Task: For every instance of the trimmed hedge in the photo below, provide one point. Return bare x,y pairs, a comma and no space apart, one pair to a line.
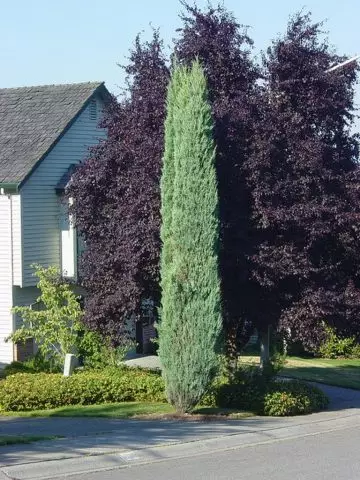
37,391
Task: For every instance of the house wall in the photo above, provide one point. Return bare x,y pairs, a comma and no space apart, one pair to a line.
16,239
40,206
24,297
6,279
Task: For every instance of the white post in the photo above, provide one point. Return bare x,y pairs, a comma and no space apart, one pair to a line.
69,364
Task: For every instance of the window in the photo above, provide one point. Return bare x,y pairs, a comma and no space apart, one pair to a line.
68,241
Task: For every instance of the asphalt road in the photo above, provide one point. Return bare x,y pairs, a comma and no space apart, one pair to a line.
329,455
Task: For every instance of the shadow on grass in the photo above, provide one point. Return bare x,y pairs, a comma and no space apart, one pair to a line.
346,376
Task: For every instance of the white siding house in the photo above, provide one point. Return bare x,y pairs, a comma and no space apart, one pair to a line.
44,132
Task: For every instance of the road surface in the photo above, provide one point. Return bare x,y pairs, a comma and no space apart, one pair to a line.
330,455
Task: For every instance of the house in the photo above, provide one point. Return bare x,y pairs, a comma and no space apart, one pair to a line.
44,132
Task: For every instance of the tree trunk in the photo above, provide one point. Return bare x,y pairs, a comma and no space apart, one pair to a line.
231,351
264,348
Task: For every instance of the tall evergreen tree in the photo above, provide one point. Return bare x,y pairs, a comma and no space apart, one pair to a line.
303,174
191,311
117,198
223,47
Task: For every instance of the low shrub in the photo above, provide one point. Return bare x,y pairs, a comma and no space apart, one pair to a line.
335,346
25,391
246,390
261,393
293,397
96,352
35,364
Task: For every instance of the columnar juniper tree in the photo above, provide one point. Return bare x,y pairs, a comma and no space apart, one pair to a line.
223,47
191,311
117,198
303,175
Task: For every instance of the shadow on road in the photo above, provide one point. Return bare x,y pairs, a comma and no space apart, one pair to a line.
98,435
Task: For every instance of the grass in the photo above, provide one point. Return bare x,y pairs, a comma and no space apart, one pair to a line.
107,410
125,410
20,439
338,372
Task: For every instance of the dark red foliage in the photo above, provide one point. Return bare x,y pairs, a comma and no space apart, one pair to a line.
117,198
304,179
223,47
288,183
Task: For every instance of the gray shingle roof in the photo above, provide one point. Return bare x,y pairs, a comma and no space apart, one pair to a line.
31,121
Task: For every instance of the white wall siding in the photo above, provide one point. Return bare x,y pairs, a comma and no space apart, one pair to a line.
16,239
39,203
6,317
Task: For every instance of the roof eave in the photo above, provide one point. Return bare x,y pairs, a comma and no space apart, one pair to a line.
9,185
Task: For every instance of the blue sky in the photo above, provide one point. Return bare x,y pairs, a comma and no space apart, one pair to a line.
51,41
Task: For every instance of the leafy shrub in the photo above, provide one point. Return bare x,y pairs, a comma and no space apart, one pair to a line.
55,327
36,364
58,328
261,393
246,390
281,404
96,352
336,346
293,398
25,391
17,367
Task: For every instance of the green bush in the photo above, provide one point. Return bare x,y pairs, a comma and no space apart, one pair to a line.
25,391
35,364
281,404
246,390
293,398
335,346
261,393
96,352
55,326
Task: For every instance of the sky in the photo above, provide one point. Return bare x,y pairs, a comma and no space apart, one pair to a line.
52,41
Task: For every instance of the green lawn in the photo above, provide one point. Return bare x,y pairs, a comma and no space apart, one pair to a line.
337,372
108,410
123,410
16,439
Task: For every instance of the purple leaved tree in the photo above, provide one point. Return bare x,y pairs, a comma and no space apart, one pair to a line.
304,178
117,198
223,48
